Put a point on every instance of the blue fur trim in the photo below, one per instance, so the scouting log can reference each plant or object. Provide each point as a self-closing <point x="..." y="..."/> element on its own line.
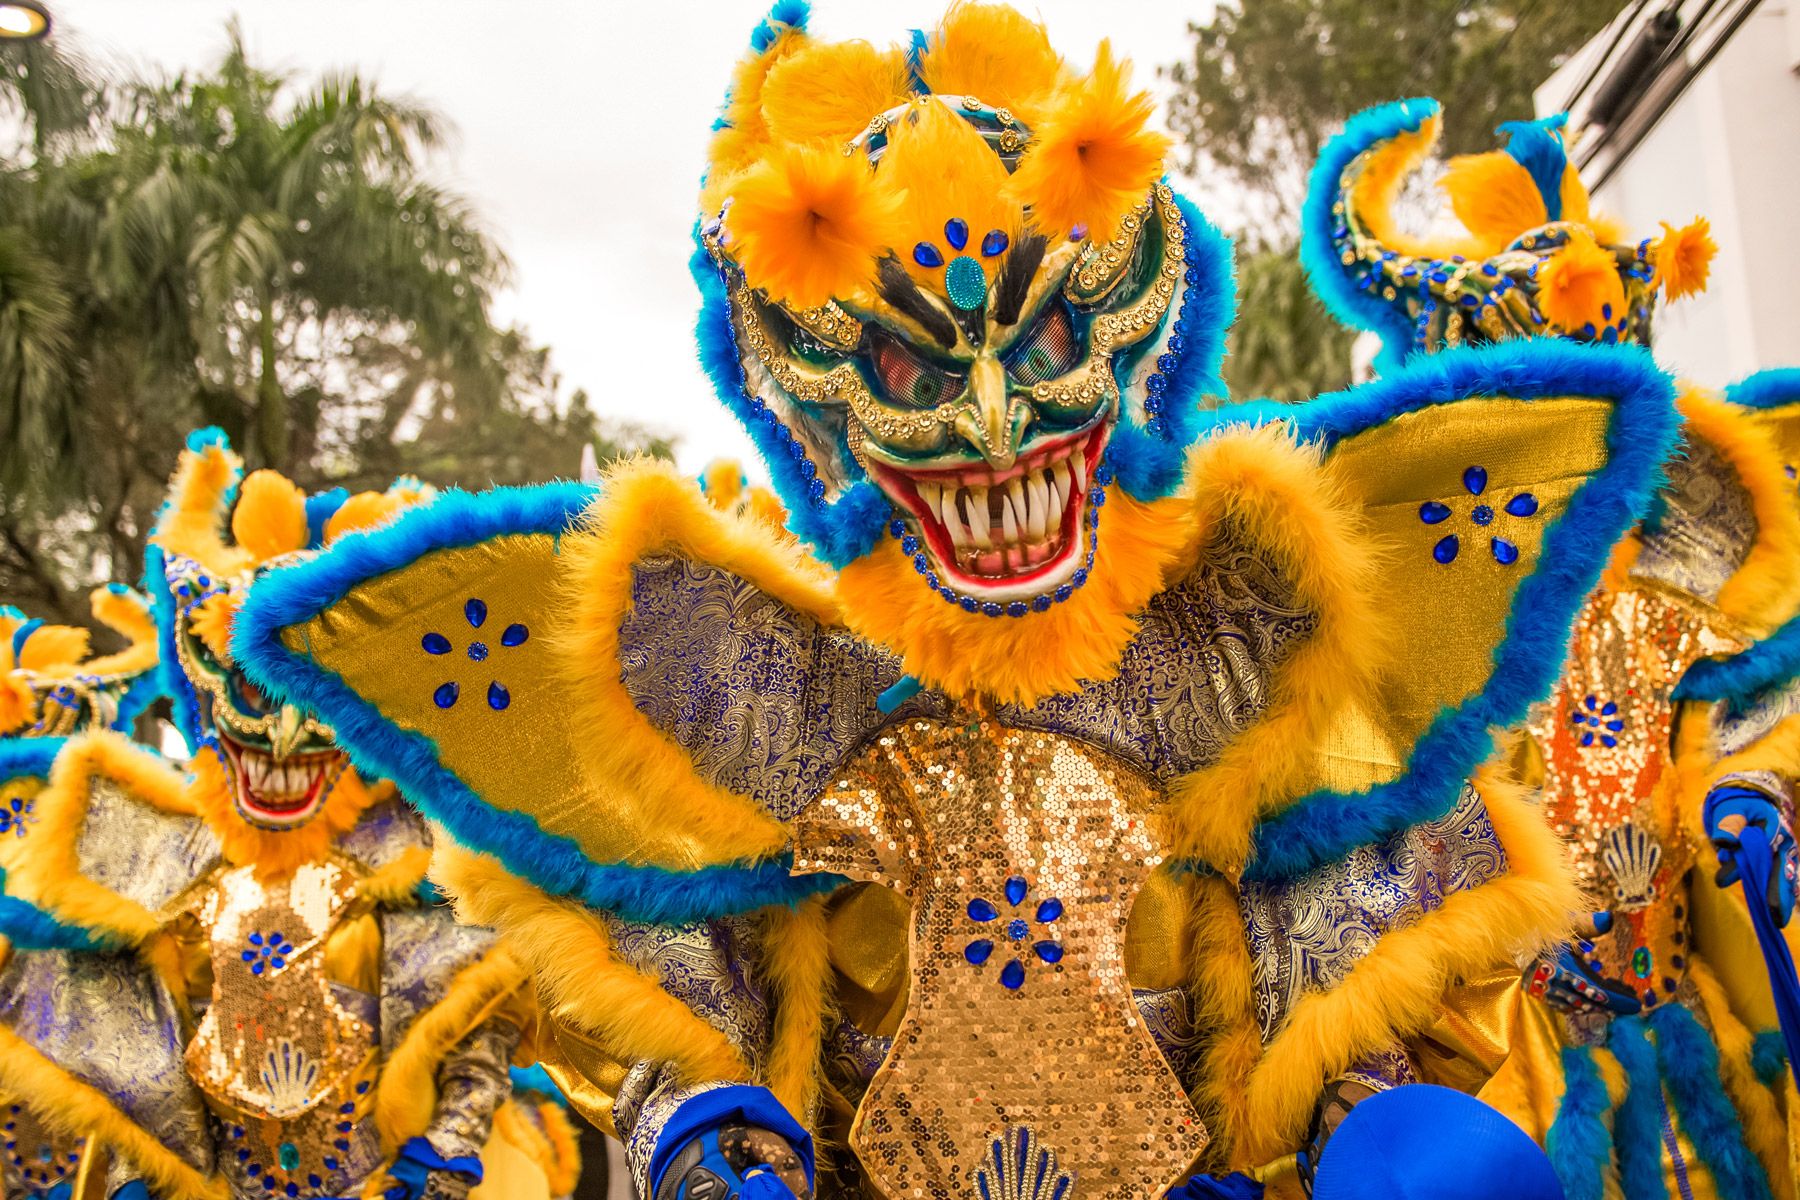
<point x="1637" y="1125"/>
<point x="842" y="530"/>
<point x="29" y="927"/>
<point x="142" y="693"/>
<point x="1579" y="1146"/>
<point x="1538" y="147"/>
<point x="1690" y="1067"/>
<point x="381" y="749"/>
<point x="791" y="13"/>
<point x="1641" y="431"/>
<point x="1744" y="678"/>
<point x="1768" y="1055"/>
<point x="535" y="1079"/>
<point x="171" y="680"/>
<point x="212" y="435"/>
<point x="1343" y="299"/>
<point x="1151" y="465"/>
<point x="320" y="508"/>
<point x="1766" y="389"/>
<point x="28" y="757"/>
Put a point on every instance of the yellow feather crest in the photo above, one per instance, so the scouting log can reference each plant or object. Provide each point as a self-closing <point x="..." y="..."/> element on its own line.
<point x="743" y="138"/>
<point x="1092" y="157"/>
<point x="1579" y="283"/>
<point x="827" y="92"/>
<point x="270" y="517"/>
<point x="1494" y="197"/>
<point x="365" y="510"/>
<point x="54" y="648"/>
<point x="996" y="54"/>
<point x="211" y="621"/>
<point x="1684" y="258"/>
<point x="807" y="224"/>
<point x="125" y="612"/>
<point x="938" y="167"/>
<point x="17" y="704"/>
<point x="723" y="482"/>
<point x="191" y="524"/>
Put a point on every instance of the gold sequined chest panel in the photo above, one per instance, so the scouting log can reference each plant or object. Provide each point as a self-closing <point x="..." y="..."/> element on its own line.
<point x="1610" y="789"/>
<point x="1021" y="1067"/>
<point x="276" y="1040"/>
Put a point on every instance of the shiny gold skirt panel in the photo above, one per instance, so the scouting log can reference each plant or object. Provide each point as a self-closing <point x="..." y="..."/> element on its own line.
<point x="1021" y="1065"/>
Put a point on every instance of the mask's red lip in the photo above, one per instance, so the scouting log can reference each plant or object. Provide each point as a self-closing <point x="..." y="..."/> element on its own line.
<point x="1016" y="527"/>
<point x="283" y="792"/>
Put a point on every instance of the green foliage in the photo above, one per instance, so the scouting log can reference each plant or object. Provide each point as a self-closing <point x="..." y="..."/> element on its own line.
<point x="249" y="250"/>
<point x="1285" y="347"/>
<point x="1266" y="83"/>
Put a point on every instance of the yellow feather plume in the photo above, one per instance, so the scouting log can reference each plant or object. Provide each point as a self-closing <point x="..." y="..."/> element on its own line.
<point x="806" y="224"/>
<point x="270" y="517"/>
<point x="365" y="510"/>
<point x="938" y="167"/>
<point x="723" y="482"/>
<point x="997" y="55"/>
<point x="211" y="622"/>
<point x="1579" y="285"/>
<point x="1093" y="157"/>
<point x="17" y="705"/>
<point x="744" y="136"/>
<point x="828" y="92"/>
<point x="54" y="648"/>
<point x="191" y="524"/>
<point x="127" y="613"/>
<point x="1494" y="198"/>
<point x="1684" y="258"/>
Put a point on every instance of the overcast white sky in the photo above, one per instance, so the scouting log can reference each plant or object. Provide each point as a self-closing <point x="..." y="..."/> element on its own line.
<point x="581" y="131"/>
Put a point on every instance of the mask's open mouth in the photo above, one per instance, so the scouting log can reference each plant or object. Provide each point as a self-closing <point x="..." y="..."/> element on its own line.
<point x="280" y="793"/>
<point x="1004" y="534"/>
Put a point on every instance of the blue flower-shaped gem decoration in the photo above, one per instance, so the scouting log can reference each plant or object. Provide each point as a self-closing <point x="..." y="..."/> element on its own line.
<point x="15" y="814"/>
<point x="1018" y="931"/>
<point x="965" y="279"/>
<point x="1597" y="721"/>
<point x="267" y="952"/>
<point x="475" y="611"/>
<point x="1482" y="515"/>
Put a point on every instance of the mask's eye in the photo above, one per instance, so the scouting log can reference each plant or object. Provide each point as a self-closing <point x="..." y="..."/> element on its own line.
<point x="1048" y="351"/>
<point x="248" y="696"/>
<point x="908" y="380"/>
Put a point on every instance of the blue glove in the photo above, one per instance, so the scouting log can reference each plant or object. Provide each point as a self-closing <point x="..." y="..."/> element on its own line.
<point x="1217" y="1187"/>
<point x="418" y="1162"/>
<point x="1561" y="978"/>
<point x="1732" y="807"/>
<point x="731" y="1142"/>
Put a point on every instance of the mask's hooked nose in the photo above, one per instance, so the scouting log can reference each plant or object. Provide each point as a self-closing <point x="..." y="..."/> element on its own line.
<point x="995" y="425"/>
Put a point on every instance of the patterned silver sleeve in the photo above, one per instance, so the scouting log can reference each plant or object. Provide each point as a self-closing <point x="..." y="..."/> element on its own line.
<point x="1768" y="783"/>
<point x="647" y="1099"/>
<point x="472" y="1082"/>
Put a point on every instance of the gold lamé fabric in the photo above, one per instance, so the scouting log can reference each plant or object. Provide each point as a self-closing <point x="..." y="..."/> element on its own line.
<point x="1020" y="853"/>
<point x="1610" y="787"/>
<point x="285" y="1054"/>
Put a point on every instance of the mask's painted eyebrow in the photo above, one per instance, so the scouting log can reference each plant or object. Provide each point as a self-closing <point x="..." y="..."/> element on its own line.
<point x="899" y="290"/>
<point x="1015" y="278"/>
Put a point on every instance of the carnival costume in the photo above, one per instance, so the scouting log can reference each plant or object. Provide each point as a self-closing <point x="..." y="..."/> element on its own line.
<point x="1629" y="1056"/>
<point x="52" y="687"/>
<point x="264" y="1005"/>
<point x="990" y="839"/>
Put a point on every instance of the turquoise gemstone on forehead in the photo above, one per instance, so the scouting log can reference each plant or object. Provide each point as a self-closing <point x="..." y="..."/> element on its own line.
<point x="965" y="282"/>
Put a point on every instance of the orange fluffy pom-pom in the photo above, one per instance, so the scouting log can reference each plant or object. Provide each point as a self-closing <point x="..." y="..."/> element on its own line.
<point x="994" y="53"/>
<point x="1093" y="158"/>
<point x="211" y="622"/>
<point x="829" y="92"/>
<point x="53" y="648"/>
<point x="17" y="704"/>
<point x="365" y="510"/>
<point x="806" y="224"/>
<point x="1684" y="258"/>
<point x="1579" y="285"/>
<point x="270" y="517"/>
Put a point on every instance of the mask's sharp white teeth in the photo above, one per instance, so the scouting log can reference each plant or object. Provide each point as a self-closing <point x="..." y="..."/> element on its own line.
<point x="979" y="521"/>
<point x="953" y="523"/>
<point x="1038" y="508"/>
<point x="256" y="770"/>
<point x="1009" y="514"/>
<point x="1065" y="477"/>
<point x="1078" y="464"/>
<point x="1021" y="509"/>
<point x="1058" y="495"/>
<point x="928" y="495"/>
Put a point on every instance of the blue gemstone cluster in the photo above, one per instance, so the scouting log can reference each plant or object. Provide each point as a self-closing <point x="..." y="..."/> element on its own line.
<point x="288" y="1158"/>
<point x="1598" y="722"/>
<point x="965" y="279"/>
<point x="1175" y="349"/>
<point x="909" y="545"/>
<point x="1017" y="931"/>
<point x="1475" y="481"/>
<point x="475" y="611"/>
<point x="267" y="952"/>
<point x="15" y="815"/>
